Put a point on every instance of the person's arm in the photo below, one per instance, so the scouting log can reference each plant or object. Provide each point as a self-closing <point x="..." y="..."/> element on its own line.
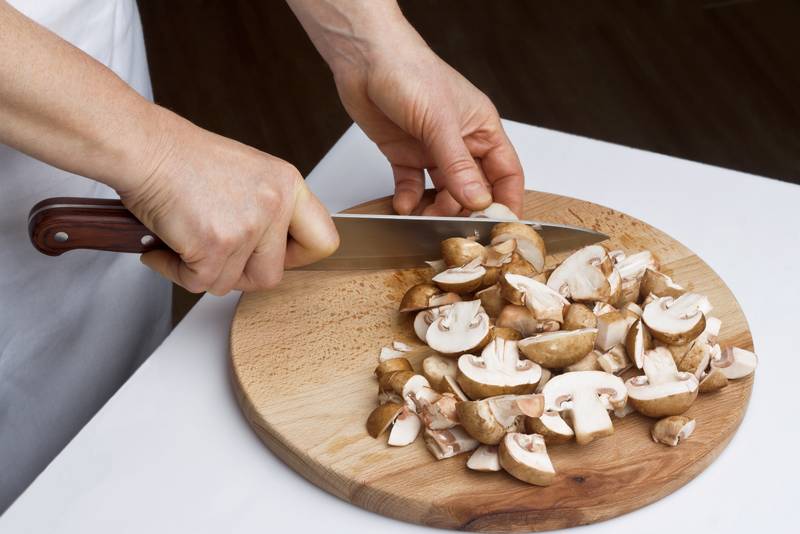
<point x="224" y="207"/>
<point x="421" y="113"/>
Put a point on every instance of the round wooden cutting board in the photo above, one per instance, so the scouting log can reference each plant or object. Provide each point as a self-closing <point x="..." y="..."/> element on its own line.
<point x="302" y="357"/>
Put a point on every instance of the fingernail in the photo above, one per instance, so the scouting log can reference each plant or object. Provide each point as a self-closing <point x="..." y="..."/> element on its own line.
<point x="477" y="194"/>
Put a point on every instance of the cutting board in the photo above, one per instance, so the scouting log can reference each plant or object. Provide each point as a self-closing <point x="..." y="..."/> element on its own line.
<point x="302" y="357"/>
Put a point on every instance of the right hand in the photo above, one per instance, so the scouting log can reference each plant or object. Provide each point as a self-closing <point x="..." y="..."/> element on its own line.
<point x="235" y="217"/>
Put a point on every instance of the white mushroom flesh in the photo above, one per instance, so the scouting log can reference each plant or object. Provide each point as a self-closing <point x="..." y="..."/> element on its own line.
<point x="544" y="302"/>
<point x="485" y="458"/>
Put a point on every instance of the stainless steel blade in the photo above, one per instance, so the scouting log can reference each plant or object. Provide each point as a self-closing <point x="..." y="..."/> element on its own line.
<point x="399" y="242"/>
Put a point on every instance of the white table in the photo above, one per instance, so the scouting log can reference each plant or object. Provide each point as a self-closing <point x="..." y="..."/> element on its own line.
<point x="170" y="452"/>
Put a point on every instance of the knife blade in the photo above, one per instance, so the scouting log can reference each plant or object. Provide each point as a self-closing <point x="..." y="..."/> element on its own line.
<point x="60" y="224"/>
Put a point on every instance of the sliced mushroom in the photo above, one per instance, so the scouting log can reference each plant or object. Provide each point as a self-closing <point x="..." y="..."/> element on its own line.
<point x="524" y="456"/>
<point x="579" y="316"/>
<point x="461" y="328"/>
<point x="457" y="251"/>
<point x="497" y="371"/>
<point x="713" y="327"/>
<point x="425" y="318"/>
<point x="437" y="266"/>
<point x="735" y="362"/>
<point x="637" y="341"/>
<point x="505" y="333"/>
<point x="631" y="309"/>
<point x="390" y="353"/>
<point x="696" y="359"/>
<point x="586" y="397"/>
<point x="712" y="381"/>
<point x="520" y="319"/>
<point x="612" y="327"/>
<point x="450" y="385"/>
<point x="437" y="411"/>
<point x="461" y="279"/>
<point x="663" y="390"/>
<point x="530" y="244"/>
<point x="659" y="284"/>
<point x="615" y="287"/>
<point x="382" y="418"/>
<point x="544" y="302"/>
<point x="587" y="363"/>
<point x="436" y="367"/>
<point x="492" y="300"/>
<point x="488" y="420"/>
<point x="518" y="265"/>
<point x="418" y="297"/>
<point x="581" y="278"/>
<point x="405" y="429"/>
<point x="551" y="427"/>
<point x="614" y="361"/>
<point x="393" y="365"/>
<point x="497" y="211"/>
<point x="556" y="350"/>
<point x="672" y="430"/>
<point x="635" y="265"/>
<point x="546" y="376"/>
<point x="449" y="442"/>
<point x="499" y="254"/>
<point x="672" y="321"/>
<point x="485" y="458"/>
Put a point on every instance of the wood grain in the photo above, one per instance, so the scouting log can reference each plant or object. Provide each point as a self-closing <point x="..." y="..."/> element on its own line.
<point x="302" y="357"/>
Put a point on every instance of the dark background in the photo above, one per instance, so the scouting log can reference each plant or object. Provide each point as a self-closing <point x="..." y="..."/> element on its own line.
<point x="713" y="80"/>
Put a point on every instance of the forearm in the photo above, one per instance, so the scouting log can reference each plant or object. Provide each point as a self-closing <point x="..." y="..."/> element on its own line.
<point x="348" y="33"/>
<point x="61" y="106"/>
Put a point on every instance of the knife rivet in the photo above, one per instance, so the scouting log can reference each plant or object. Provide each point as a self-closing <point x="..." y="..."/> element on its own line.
<point x="146" y="240"/>
<point x="61" y="237"/>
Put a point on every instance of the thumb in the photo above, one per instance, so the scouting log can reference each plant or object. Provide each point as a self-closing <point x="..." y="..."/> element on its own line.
<point x="462" y="177"/>
<point x="312" y="234"/>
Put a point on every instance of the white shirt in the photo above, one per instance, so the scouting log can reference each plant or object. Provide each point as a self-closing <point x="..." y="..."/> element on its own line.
<point x="74" y="327"/>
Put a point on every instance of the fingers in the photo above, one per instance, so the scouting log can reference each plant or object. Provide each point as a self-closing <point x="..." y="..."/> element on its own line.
<point x="409" y="184"/>
<point x="503" y="171"/>
<point x="313" y="234"/>
<point x="462" y="177"/>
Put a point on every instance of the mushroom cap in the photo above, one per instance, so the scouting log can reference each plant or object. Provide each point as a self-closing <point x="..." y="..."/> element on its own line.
<point x="551" y="427"/>
<point x="518" y="265"/>
<point x="505" y="332"/>
<point x="462" y="279"/>
<point x="393" y="365"/>
<point x="405" y="429"/>
<point x="436" y="367"/>
<point x="417" y="297"/>
<point x="587" y="363"/>
<point x="556" y="350"/>
<point x="524" y="456"/>
<point x="735" y="362"/>
<point x="672" y="322"/>
<point x="484" y="458"/>
<point x="579" y="316"/>
<point x="544" y="302"/>
<point x="491" y="299"/>
<point x="659" y="284"/>
<point x="457" y="251"/>
<point x="498" y="371"/>
<point x="581" y="278"/>
<point x="530" y="244"/>
<point x="713" y="381"/>
<point x="382" y="418"/>
<point x="637" y="341"/>
<point x="461" y="328"/>
<point x="478" y="420"/>
<point x="518" y="318"/>
<point x="496" y="211"/>
<point x="662" y="390"/>
<point x="671" y="430"/>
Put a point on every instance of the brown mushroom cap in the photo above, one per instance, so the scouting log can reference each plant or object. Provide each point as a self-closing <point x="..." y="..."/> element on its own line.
<point x="581" y="276"/>
<point x="672" y="430"/>
<point x="530" y="244"/>
<point x="673" y="323"/>
<point x="382" y="418"/>
<point x="556" y="350"/>
<point x="551" y="427"/>
<point x="461" y="279"/>
<point x="492" y="300"/>
<point x="498" y="371"/>
<point x="524" y="456"/>
<point x="579" y="316"/>
<point x="518" y="318"/>
<point x="418" y="297"/>
<point x="457" y="251"/>
<point x="436" y="367"/>
<point x="659" y="284"/>
<point x="663" y="390"/>
<point x="518" y="265"/>
<point x="713" y="381"/>
<point x="478" y="420"/>
<point x="505" y="333"/>
<point x="393" y="365"/>
<point x="587" y="363"/>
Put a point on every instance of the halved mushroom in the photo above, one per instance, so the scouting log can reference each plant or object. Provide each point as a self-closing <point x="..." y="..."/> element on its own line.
<point x="461" y="279"/>
<point x="436" y="367"/>
<point x="614" y="361"/>
<point x="612" y="327"/>
<point x="579" y="316"/>
<point x="632" y="269"/>
<point x="461" y="328"/>
<point x="496" y="211"/>
<point x="556" y="350"/>
<point x="615" y="287"/>
<point x="696" y="359"/>
<point x="587" y="363"/>
<point x="585" y="397"/>
<point x="457" y="251"/>
<point x="492" y="300"/>
<point x="449" y="442"/>
<point x="488" y="420"/>
<point x="581" y="277"/>
<point x="437" y="411"/>
<point x="499" y="254"/>
<point x="497" y="371"/>
<point x="674" y="321"/>
<point x="425" y="319"/>
<point x="518" y="265"/>
<point x="437" y="266"/>
<point x="382" y="418"/>
<point x="524" y="456"/>
<point x="735" y="362"/>
<point x="659" y="284"/>
<point x="424" y="296"/>
<point x="672" y="430"/>
<point x="393" y="365"/>
<point x="485" y="458"/>
<point x="450" y="385"/>
<point x="637" y="341"/>
<point x="405" y="429"/>
<point x="713" y="326"/>
<point x="551" y="427"/>
<point x="662" y="390"/>
<point x="504" y="332"/>
<point x="544" y="302"/>
<point x="520" y="319"/>
<point x="712" y="381"/>
<point x="530" y="244"/>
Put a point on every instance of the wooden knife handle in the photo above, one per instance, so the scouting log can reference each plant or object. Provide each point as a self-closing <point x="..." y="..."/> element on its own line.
<point x="56" y="225"/>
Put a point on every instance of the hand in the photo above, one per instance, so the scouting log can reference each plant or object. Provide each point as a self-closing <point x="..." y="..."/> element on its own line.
<point x="235" y="217"/>
<point x="423" y="114"/>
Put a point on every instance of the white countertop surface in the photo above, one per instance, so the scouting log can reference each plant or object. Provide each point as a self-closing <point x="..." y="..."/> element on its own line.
<point x="171" y="452"/>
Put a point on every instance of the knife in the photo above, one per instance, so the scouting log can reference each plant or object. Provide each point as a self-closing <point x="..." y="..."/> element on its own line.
<point x="57" y="225"/>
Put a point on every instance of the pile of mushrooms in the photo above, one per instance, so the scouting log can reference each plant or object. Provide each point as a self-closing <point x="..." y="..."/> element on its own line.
<point x="518" y="357"/>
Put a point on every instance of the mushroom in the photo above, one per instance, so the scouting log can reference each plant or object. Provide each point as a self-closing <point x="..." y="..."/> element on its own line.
<point x="546" y="376"/>
<point x="450" y="385"/>
<point x="436" y="367"/>
<point x="579" y="316"/>
<point x="659" y="284"/>
<point x="601" y="308"/>
<point x="390" y="353"/>
<point x="518" y="265"/>
<point x="612" y="327"/>
<point x="499" y="254"/>
<point x="461" y="279"/>
<point x="615" y="287"/>
<point x="697" y="358"/>
<point x="437" y="266"/>
<point x="544" y="302"/>
<point x="461" y="328"/>
<point x="632" y="269"/>
<point x="520" y="319"/>
<point x="734" y="362"/>
<point x="586" y="397"/>
<point x="488" y="420"/>
<point x="458" y="251"/>
<point x="524" y="456"/>
<point x="637" y="341"/>
<point x="424" y="296"/>
<point x="393" y="365"/>
<point x="674" y="321"/>
<point x="587" y="363"/>
<point x="505" y="333"/>
<point x="581" y="277"/>
<point x="485" y="458"/>
<point x="556" y="350"/>
<point x="530" y="244"/>
<point x="551" y="427"/>
<point x="631" y="309"/>
<point x="712" y="381"/>
<point x="614" y="361"/>
<point x="405" y="428"/>
<point x="498" y="371"/>
<point x="663" y="390"/>
<point x="449" y="442"/>
<point x="382" y="418"/>
<point x="496" y="211"/>
<point x="492" y="300"/>
<point x="425" y="319"/>
<point x="672" y="430"/>
<point x="437" y="411"/>
<point x="713" y="326"/>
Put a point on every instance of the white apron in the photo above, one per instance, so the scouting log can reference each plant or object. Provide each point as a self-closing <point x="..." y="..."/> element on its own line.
<point x="72" y="328"/>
